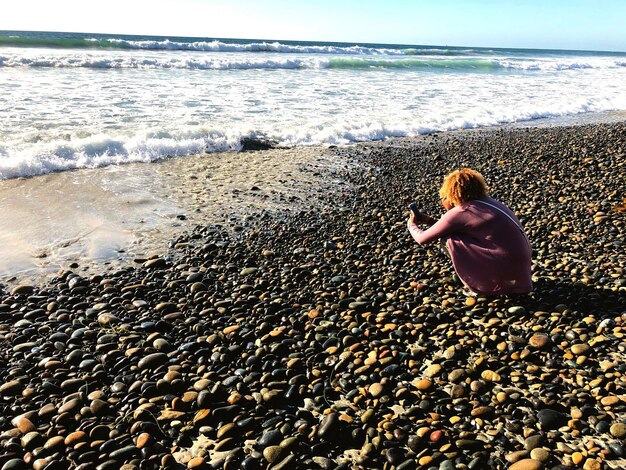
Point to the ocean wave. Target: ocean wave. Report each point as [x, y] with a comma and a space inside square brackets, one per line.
[103, 150]
[18, 160]
[221, 45]
[246, 62]
[211, 46]
[458, 64]
[264, 46]
[130, 62]
[476, 64]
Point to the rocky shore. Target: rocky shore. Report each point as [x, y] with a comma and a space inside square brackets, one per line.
[326, 338]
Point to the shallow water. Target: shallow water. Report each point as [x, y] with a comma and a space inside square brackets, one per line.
[101, 218]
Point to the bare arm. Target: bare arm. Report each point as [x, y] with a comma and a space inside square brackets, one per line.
[438, 228]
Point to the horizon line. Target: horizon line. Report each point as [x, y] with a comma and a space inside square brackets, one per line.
[357, 43]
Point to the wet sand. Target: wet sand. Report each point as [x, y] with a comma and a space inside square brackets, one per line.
[97, 219]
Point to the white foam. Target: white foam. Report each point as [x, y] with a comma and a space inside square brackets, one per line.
[103, 150]
[97, 151]
[233, 61]
[92, 108]
[263, 46]
[560, 64]
[123, 61]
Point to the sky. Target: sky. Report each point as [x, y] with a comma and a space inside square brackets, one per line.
[547, 24]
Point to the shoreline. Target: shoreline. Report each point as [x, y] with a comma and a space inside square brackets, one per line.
[100, 219]
[134, 210]
[325, 338]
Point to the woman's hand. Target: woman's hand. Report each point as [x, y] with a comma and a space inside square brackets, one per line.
[422, 219]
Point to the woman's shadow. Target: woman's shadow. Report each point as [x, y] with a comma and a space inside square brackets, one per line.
[601, 302]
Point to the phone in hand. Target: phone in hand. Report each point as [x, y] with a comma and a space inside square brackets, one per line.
[415, 210]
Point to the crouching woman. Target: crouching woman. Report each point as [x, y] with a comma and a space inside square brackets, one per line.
[489, 249]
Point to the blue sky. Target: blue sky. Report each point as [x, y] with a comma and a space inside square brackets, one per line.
[562, 24]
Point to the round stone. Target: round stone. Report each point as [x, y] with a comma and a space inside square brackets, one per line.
[516, 310]
[538, 341]
[578, 349]
[375, 389]
[491, 376]
[527, 464]
[75, 437]
[540, 454]
[577, 457]
[196, 463]
[436, 435]
[272, 453]
[457, 375]
[592, 464]
[618, 430]
[22, 289]
[551, 419]
[423, 385]
[152, 361]
[367, 415]
[13, 387]
[432, 370]
[23, 424]
[143, 440]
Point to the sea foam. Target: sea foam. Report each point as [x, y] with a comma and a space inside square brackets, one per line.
[104, 150]
[85, 102]
[118, 60]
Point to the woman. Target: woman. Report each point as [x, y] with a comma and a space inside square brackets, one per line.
[486, 242]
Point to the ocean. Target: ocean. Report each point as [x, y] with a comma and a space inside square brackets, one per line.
[71, 100]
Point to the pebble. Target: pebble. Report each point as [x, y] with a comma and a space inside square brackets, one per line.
[197, 463]
[54, 443]
[538, 341]
[143, 440]
[270, 437]
[516, 310]
[516, 456]
[375, 389]
[526, 464]
[592, 464]
[491, 376]
[32, 440]
[367, 415]
[579, 349]
[551, 419]
[618, 430]
[12, 387]
[74, 438]
[14, 464]
[152, 361]
[328, 428]
[22, 289]
[24, 424]
[425, 461]
[272, 453]
[540, 454]
[424, 385]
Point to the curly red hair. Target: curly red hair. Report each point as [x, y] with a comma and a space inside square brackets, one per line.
[463, 185]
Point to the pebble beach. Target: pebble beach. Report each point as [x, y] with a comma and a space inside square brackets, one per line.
[324, 337]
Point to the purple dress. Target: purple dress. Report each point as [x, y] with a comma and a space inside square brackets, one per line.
[489, 250]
